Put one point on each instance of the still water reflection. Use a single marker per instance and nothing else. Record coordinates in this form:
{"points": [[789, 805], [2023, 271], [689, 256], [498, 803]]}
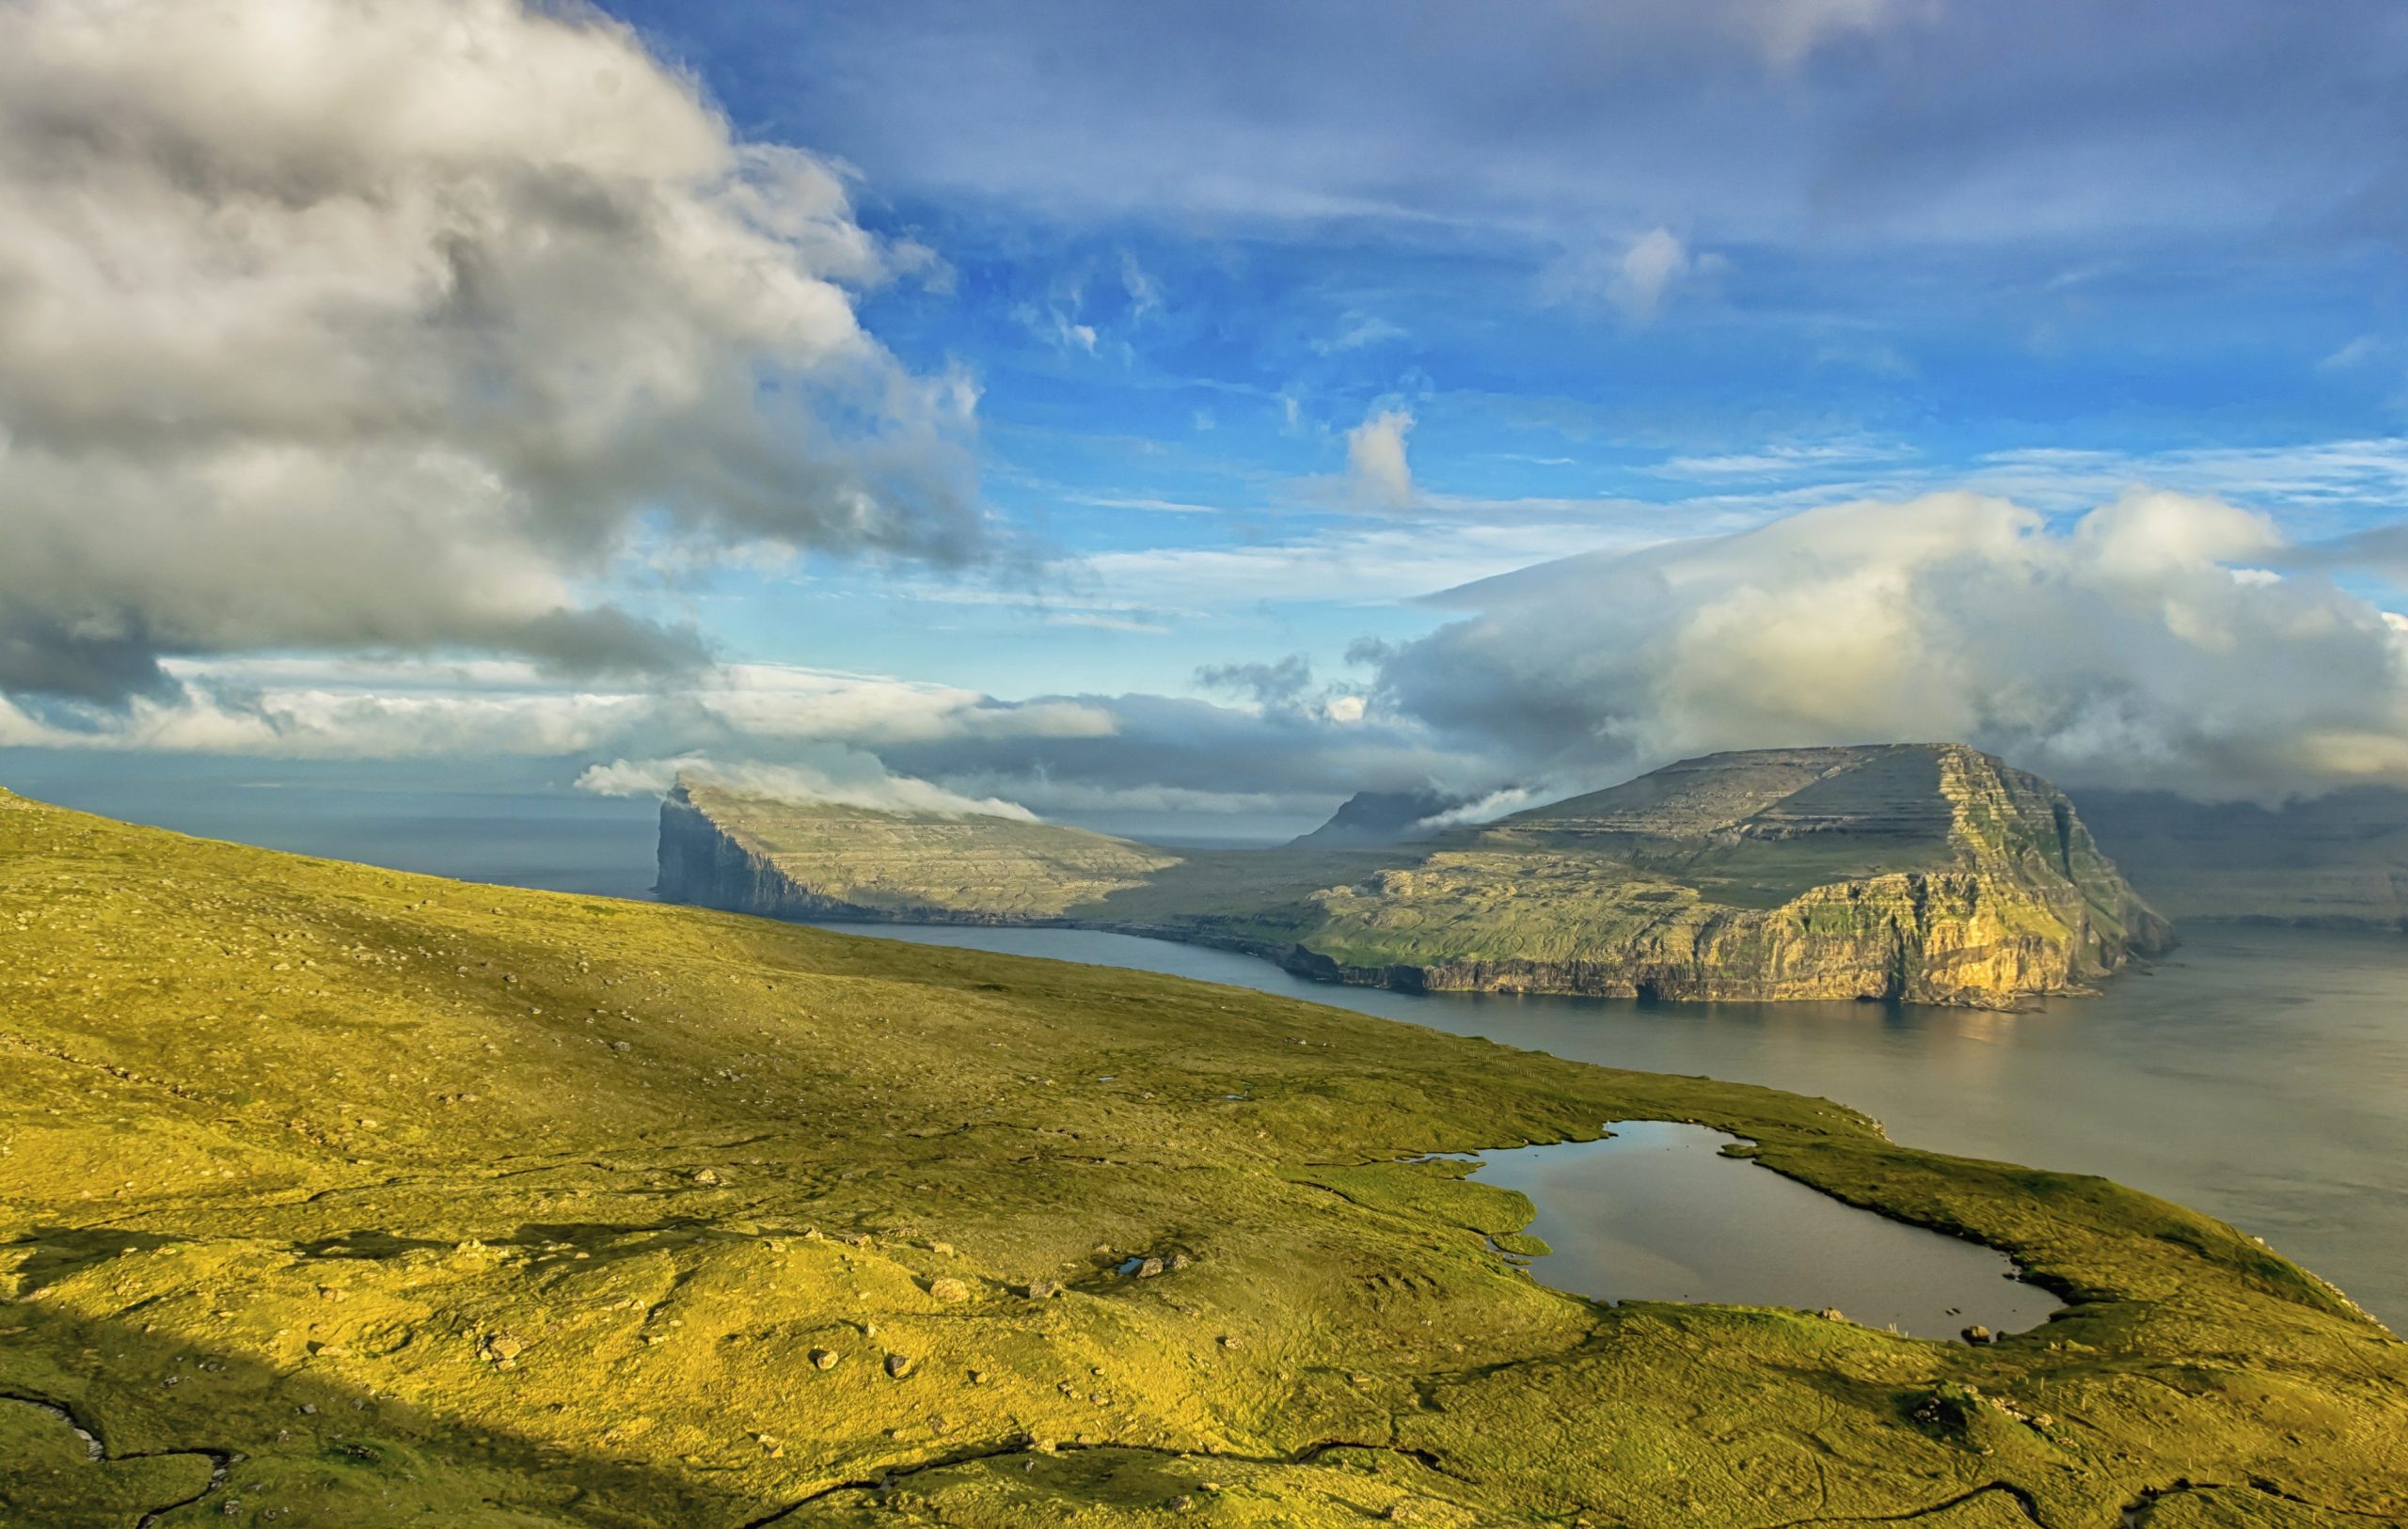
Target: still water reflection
{"points": [[1656, 1212]]}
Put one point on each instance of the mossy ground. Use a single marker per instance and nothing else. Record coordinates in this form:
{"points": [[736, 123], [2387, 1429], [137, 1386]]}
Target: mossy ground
{"points": [[415, 1201]]}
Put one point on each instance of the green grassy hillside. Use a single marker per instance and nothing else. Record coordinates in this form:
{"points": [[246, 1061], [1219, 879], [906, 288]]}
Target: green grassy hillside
{"points": [[336, 1196], [1927, 873]]}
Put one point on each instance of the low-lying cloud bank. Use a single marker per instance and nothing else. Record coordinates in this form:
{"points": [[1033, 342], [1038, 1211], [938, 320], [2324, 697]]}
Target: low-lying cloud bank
{"points": [[338, 326], [2151, 641], [843, 776], [2158, 640]]}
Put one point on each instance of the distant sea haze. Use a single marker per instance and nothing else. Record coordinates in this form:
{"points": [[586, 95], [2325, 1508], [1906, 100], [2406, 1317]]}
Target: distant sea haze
{"points": [[516, 824]]}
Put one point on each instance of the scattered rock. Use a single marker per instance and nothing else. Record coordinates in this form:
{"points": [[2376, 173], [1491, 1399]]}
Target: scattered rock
{"points": [[824, 1359], [898, 1366], [1042, 1290], [943, 1250], [1148, 1267], [1833, 1314], [1177, 1261], [949, 1289], [502, 1347], [1977, 1333], [704, 1176]]}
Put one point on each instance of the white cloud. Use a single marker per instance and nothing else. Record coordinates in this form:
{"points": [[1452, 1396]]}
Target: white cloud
{"points": [[393, 709], [2358, 353], [2122, 650], [1484, 808], [1653, 264], [1376, 458], [1144, 292], [1777, 460], [343, 326], [1362, 329], [1639, 278], [1789, 31], [838, 777]]}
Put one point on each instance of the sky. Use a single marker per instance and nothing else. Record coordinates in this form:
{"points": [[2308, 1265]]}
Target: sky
{"points": [[1171, 415]]}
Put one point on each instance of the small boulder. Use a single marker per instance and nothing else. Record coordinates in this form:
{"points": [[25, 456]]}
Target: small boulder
{"points": [[503, 1348], [703, 1177], [1042, 1290], [898, 1366], [1148, 1267], [949, 1289], [1977, 1333], [824, 1359], [1833, 1314]]}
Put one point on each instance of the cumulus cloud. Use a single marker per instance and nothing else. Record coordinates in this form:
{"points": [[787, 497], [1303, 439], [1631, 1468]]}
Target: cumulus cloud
{"points": [[2148, 643], [1375, 461], [1639, 278], [841, 778], [342, 326], [1086, 754], [1789, 31], [321, 708]]}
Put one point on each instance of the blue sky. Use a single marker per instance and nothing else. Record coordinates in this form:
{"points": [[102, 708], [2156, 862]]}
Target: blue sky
{"points": [[1086, 405], [1186, 253]]}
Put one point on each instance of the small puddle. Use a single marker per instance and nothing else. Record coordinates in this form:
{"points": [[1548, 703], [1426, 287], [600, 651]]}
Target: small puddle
{"points": [[1656, 1212]]}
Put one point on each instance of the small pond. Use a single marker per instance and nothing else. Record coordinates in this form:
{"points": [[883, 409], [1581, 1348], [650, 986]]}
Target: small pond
{"points": [[1656, 1212]]}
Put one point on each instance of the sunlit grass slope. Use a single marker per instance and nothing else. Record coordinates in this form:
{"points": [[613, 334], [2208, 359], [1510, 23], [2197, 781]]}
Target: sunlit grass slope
{"points": [[335, 1196]]}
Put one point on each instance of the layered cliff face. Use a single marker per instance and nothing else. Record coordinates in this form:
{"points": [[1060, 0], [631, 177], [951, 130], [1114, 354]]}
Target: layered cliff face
{"points": [[1922, 874]]}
